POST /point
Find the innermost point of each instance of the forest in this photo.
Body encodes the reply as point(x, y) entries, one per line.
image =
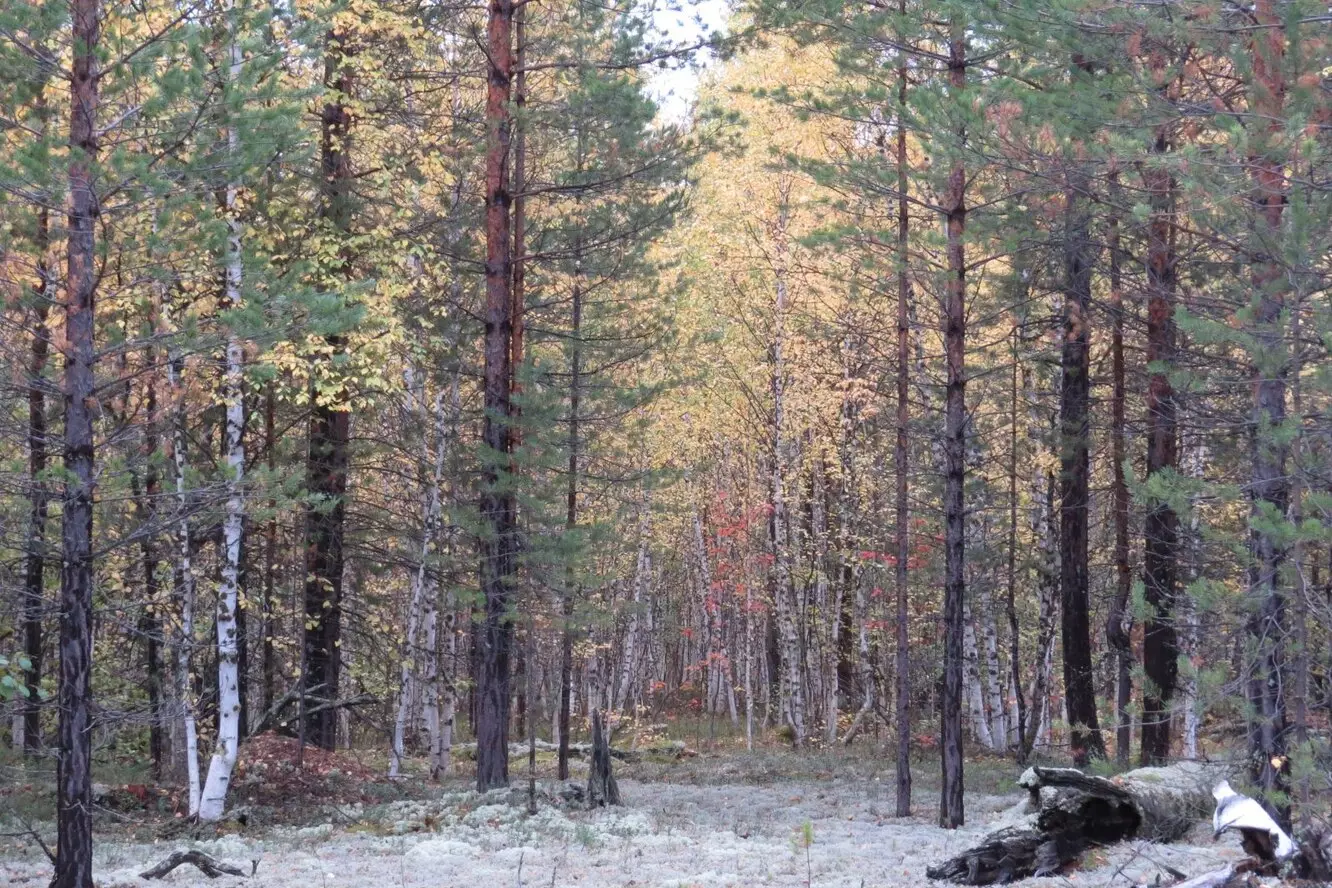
point(415, 410)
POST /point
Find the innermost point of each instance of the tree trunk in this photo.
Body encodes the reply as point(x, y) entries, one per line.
point(34, 558)
point(1018, 724)
point(601, 787)
point(792, 685)
point(971, 680)
point(1119, 623)
point(214, 797)
point(73, 865)
point(1270, 488)
point(954, 332)
point(494, 637)
point(1075, 476)
point(1160, 650)
point(330, 424)
point(901, 453)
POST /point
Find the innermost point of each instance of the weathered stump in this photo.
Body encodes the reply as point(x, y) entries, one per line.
point(601, 787)
point(1067, 812)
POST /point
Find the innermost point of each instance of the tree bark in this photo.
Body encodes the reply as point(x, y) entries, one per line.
point(73, 867)
point(1075, 476)
point(954, 331)
point(901, 455)
point(792, 685)
point(34, 558)
point(1119, 623)
point(1161, 525)
point(1270, 486)
point(214, 797)
point(330, 423)
point(494, 637)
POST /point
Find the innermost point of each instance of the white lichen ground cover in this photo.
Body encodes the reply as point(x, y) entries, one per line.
point(670, 835)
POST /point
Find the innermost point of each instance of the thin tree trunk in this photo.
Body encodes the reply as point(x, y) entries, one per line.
point(1075, 475)
point(951, 813)
point(34, 578)
point(150, 621)
point(214, 797)
point(269, 664)
point(73, 865)
point(1270, 487)
point(571, 511)
point(1195, 457)
point(1161, 525)
point(1119, 623)
point(971, 681)
point(901, 461)
point(994, 683)
point(792, 684)
point(1018, 724)
point(494, 637)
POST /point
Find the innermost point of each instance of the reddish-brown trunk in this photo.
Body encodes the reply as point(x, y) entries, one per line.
point(494, 637)
point(73, 866)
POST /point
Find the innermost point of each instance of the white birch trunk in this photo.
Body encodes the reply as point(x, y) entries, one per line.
point(642, 572)
point(185, 585)
point(1196, 458)
point(980, 725)
point(994, 681)
point(214, 798)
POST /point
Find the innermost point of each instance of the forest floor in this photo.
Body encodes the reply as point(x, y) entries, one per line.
point(724, 819)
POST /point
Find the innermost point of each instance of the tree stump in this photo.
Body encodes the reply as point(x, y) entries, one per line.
point(601, 787)
point(1067, 812)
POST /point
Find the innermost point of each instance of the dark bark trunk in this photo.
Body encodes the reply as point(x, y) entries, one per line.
point(269, 665)
point(73, 867)
point(330, 424)
point(1161, 525)
point(901, 452)
point(150, 625)
point(1270, 488)
point(954, 332)
point(1014, 636)
point(1074, 477)
point(1119, 621)
point(495, 634)
point(571, 511)
point(34, 577)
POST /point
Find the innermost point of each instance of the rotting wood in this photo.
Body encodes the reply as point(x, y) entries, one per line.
point(602, 789)
point(1067, 812)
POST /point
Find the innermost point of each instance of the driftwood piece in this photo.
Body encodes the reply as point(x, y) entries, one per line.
point(1067, 812)
point(601, 787)
point(208, 865)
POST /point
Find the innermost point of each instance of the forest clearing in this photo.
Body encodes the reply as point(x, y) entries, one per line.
point(666, 441)
point(721, 819)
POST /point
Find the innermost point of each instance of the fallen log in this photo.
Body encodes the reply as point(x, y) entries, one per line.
point(1066, 812)
point(208, 865)
point(672, 749)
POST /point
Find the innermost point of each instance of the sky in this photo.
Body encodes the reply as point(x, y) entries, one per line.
point(675, 88)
